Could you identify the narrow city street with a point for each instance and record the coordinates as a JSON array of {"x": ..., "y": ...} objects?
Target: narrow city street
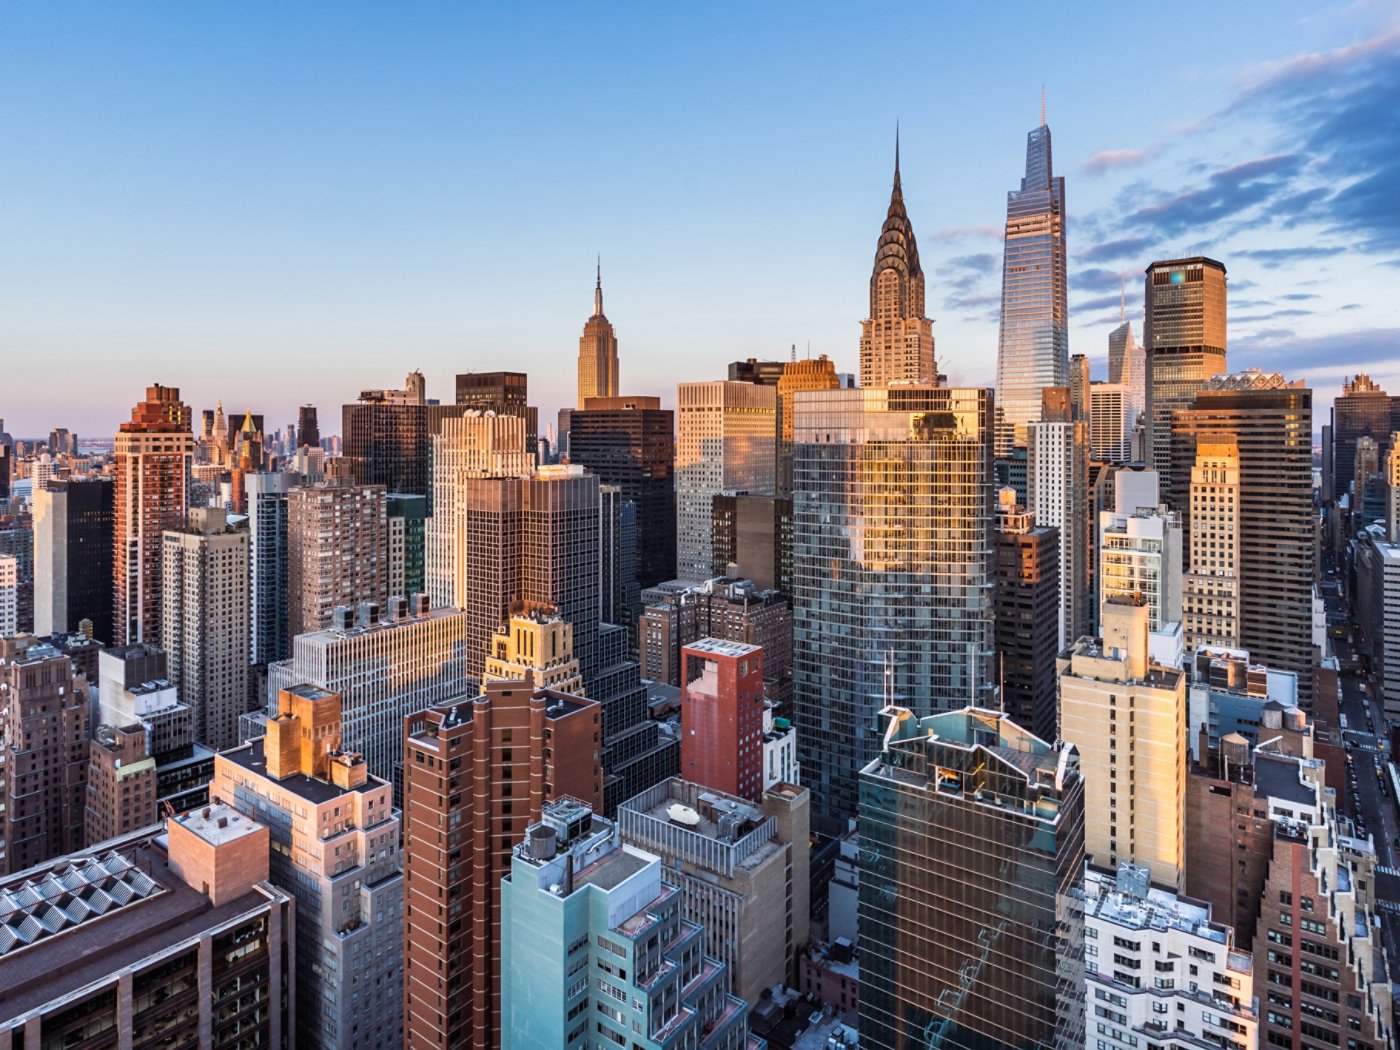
[{"x": 1370, "y": 794}]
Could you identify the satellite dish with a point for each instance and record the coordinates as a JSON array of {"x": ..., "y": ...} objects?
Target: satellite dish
[{"x": 682, "y": 814}]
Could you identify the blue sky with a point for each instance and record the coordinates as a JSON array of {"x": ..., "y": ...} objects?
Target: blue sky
[{"x": 278, "y": 203}]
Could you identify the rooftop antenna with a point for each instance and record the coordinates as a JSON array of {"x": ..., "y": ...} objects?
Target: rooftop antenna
[
  {"x": 1123, "y": 302},
  {"x": 1042, "y": 104}
]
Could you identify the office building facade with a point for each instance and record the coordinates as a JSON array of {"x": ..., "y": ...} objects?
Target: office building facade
[
  {"x": 597, "y": 352},
  {"x": 1058, "y": 457},
  {"x": 971, "y": 863},
  {"x": 352, "y": 521},
  {"x": 1184, "y": 337},
  {"x": 725, "y": 442},
  {"x": 1026, "y": 607},
  {"x": 73, "y": 548},
  {"x": 204, "y": 626},
  {"x": 152, "y": 455},
  {"x": 1135, "y": 771},
  {"x": 1269, "y": 420},
  {"x": 892, "y": 570},
  {"x": 594, "y": 949},
  {"x": 335, "y": 849},
  {"x": 1033, "y": 345},
  {"x": 480, "y": 770}
]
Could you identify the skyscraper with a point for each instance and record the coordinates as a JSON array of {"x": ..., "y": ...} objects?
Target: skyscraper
[
  {"x": 335, "y": 838},
  {"x": 534, "y": 540},
  {"x": 1110, "y": 423},
  {"x": 43, "y": 777},
  {"x": 1033, "y": 346},
  {"x": 1058, "y": 458},
  {"x": 593, "y": 941},
  {"x": 722, "y": 716},
  {"x": 204, "y": 626},
  {"x": 1127, "y": 717},
  {"x": 971, "y": 861},
  {"x": 269, "y": 638},
  {"x": 1027, "y": 606},
  {"x": 1211, "y": 602},
  {"x": 1127, "y": 365},
  {"x": 1185, "y": 345},
  {"x": 631, "y": 442},
  {"x": 896, "y": 341},
  {"x": 727, "y": 435},
  {"x": 382, "y": 670},
  {"x": 806, "y": 374},
  {"x": 152, "y": 454},
  {"x": 73, "y": 556},
  {"x": 597, "y": 352},
  {"x": 386, "y": 437},
  {"x": 892, "y": 570},
  {"x": 474, "y": 443},
  {"x": 1363, "y": 410},
  {"x": 308, "y": 432},
  {"x": 504, "y": 393},
  {"x": 479, "y": 771},
  {"x": 352, "y": 522},
  {"x": 406, "y": 518},
  {"x": 1269, "y": 420}
]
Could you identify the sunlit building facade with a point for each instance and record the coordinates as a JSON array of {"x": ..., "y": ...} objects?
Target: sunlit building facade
[
  {"x": 1185, "y": 345},
  {"x": 1033, "y": 347},
  {"x": 892, "y": 570},
  {"x": 597, "y": 352}
]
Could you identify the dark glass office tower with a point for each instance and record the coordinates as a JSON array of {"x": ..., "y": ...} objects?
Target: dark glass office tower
[
  {"x": 1033, "y": 348},
  {"x": 971, "y": 911},
  {"x": 504, "y": 393},
  {"x": 630, "y": 442},
  {"x": 73, "y": 556},
  {"x": 308, "y": 432}
]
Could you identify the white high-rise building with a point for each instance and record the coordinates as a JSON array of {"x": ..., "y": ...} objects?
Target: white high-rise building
[
  {"x": 1127, "y": 366},
  {"x": 204, "y": 621},
  {"x": 1156, "y": 963},
  {"x": 1110, "y": 423},
  {"x": 1058, "y": 471},
  {"x": 727, "y": 434},
  {"x": 1212, "y": 584},
  {"x": 473, "y": 445},
  {"x": 1140, "y": 552}
]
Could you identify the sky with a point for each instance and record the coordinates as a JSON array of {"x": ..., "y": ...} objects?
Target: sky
[{"x": 276, "y": 203}]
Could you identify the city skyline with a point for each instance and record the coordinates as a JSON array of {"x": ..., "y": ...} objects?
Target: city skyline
[{"x": 263, "y": 240}]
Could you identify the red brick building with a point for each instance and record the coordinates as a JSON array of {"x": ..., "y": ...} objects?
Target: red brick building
[
  {"x": 477, "y": 773},
  {"x": 722, "y": 716}
]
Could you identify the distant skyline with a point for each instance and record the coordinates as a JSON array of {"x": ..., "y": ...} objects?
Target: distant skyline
[{"x": 275, "y": 206}]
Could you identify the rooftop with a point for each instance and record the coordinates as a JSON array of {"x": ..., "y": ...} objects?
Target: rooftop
[
  {"x": 252, "y": 758},
  {"x": 124, "y": 932},
  {"x": 721, "y": 647},
  {"x": 1157, "y": 910},
  {"x": 1278, "y": 776},
  {"x": 218, "y": 824}
]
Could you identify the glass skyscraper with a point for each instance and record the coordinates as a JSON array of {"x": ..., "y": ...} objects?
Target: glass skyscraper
[
  {"x": 892, "y": 570},
  {"x": 1033, "y": 349},
  {"x": 971, "y": 911}
]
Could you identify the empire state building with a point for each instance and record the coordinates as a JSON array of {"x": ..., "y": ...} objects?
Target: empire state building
[
  {"x": 597, "y": 352},
  {"x": 896, "y": 343}
]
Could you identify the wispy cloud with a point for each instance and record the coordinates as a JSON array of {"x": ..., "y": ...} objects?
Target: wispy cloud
[{"x": 1113, "y": 159}]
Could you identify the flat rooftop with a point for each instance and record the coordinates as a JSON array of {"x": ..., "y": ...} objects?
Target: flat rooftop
[
  {"x": 219, "y": 823},
  {"x": 613, "y": 869},
  {"x": 252, "y": 758},
  {"x": 124, "y": 934},
  {"x": 721, "y": 647},
  {"x": 1159, "y": 910}
]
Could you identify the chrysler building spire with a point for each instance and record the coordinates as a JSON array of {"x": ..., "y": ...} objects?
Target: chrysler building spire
[{"x": 896, "y": 342}]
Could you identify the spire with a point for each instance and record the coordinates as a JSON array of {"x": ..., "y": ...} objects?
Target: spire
[
  {"x": 1042, "y": 104},
  {"x": 1123, "y": 300},
  {"x": 897, "y": 190},
  {"x": 598, "y": 290}
]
